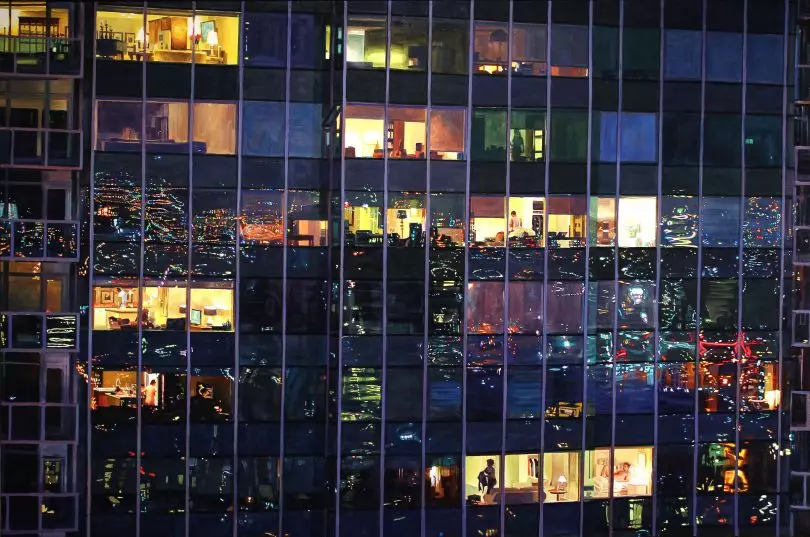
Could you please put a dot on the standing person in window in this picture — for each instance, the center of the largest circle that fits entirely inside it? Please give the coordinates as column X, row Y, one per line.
column 123, row 296
column 150, row 394
column 486, row 478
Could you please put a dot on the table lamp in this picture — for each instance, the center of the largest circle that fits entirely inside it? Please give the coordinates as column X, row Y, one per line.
column 213, row 42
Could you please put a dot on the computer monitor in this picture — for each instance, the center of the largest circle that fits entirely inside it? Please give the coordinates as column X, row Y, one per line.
column 195, row 317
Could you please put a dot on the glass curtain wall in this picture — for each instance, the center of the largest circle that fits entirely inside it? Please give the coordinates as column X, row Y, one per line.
column 514, row 269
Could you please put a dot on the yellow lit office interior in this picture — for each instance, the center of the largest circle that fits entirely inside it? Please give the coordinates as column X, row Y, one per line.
column 30, row 18
column 405, row 135
column 168, row 36
column 521, row 473
column 562, row 221
column 211, row 395
column 630, row 469
column 115, row 307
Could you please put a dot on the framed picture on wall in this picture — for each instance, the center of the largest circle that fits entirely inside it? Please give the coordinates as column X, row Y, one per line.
column 106, row 297
column 129, row 38
column 206, row 28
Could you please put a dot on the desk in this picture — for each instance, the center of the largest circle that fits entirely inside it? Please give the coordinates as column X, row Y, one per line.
column 130, row 314
column 108, row 397
column 184, row 56
column 123, row 312
column 294, row 240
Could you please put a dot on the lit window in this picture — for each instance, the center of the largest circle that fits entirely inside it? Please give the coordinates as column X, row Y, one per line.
column 637, row 222
column 171, row 37
column 566, row 221
column 163, row 307
column 366, row 42
column 629, row 470
column 404, row 137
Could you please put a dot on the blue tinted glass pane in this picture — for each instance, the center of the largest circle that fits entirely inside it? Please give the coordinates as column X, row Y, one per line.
column 639, row 137
column 682, row 55
column 263, row 129
column 524, row 393
column 765, row 59
column 721, row 222
column 305, row 41
column 606, row 125
column 265, row 39
column 723, row 57
column 305, row 130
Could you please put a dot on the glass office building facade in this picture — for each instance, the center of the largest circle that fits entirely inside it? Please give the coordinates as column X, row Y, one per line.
column 388, row 268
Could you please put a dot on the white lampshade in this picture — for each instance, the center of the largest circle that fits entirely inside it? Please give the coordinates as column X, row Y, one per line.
column 141, row 36
column 213, row 38
column 194, row 26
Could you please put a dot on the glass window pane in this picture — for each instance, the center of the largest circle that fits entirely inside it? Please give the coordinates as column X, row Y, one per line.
column 528, row 136
column 639, row 137
column 489, row 134
column 564, row 307
column 762, row 226
column 305, row 129
column 605, row 129
column 682, row 54
column 641, row 54
column 637, row 222
column 491, row 47
column 529, row 49
column 485, row 307
column 723, row 57
column 366, row 42
column 721, row 146
column 118, row 126
column 763, row 141
column 569, row 135
column 214, row 128
column 409, row 49
column 569, row 50
column 679, row 221
column 450, row 46
column 447, row 133
column 721, row 222
column 263, row 129
column 265, row 39
column 764, row 64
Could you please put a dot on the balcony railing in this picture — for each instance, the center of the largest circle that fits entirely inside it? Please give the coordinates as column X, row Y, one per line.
column 39, row 240
column 44, row 513
column 25, row 331
column 41, row 56
column 40, row 148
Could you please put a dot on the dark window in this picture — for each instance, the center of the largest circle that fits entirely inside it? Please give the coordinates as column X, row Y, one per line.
column 723, row 57
column 265, row 39
column 765, row 59
column 682, row 55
